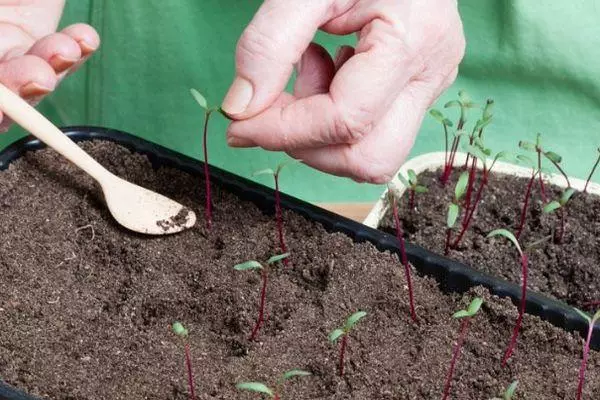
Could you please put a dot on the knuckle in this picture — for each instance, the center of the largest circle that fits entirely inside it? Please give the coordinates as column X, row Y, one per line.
column 352, row 126
column 254, row 44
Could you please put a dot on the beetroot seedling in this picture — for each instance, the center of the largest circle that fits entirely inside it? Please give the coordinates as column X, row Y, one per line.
column 275, row 392
column 586, row 349
column 446, row 123
column 560, row 206
column 182, row 332
column 509, row 392
column 403, row 256
column 342, row 333
column 587, row 182
column 201, row 100
column 465, row 317
column 278, row 212
column 534, row 173
column 524, row 273
column 412, row 185
column 263, row 268
column 454, row 208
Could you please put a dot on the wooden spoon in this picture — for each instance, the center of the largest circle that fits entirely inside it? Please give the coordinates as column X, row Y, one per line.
column 134, row 207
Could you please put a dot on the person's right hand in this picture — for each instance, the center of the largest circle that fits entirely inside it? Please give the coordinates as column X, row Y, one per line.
column 33, row 56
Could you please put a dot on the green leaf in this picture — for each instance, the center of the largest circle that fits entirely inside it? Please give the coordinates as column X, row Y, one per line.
column 461, row 314
column 510, row 391
column 527, row 145
column 353, row 320
column 482, row 123
column 476, row 152
column 596, row 317
column 412, row 177
column 293, row 373
column 464, row 97
column 449, row 124
column 255, row 387
column 554, row 157
column 460, row 133
column 266, row 171
column 179, row 329
column 584, row 315
column 248, row 266
column 566, row 196
column 471, row 310
column 199, row 98
column 487, row 110
column 286, row 164
column 503, row 155
column 452, row 215
column 403, row 180
column 277, row 258
column 421, row 189
column 453, row 103
column 551, row 207
column 507, row 234
column 461, row 185
column 336, row 334
column 538, row 140
column 526, row 160
column 437, row 115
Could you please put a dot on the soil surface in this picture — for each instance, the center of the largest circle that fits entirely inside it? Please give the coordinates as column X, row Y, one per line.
column 86, row 307
column 569, row 271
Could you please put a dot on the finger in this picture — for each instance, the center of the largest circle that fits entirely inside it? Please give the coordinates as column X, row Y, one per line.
column 86, row 36
column 272, row 43
column 58, row 49
column 15, row 41
column 343, row 54
column 315, row 72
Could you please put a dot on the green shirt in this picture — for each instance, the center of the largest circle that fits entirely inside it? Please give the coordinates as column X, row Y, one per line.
column 537, row 60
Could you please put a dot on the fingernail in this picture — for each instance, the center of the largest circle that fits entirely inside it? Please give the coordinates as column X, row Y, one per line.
column 86, row 48
column 239, row 96
column 234, row 141
column 33, row 89
column 60, row 63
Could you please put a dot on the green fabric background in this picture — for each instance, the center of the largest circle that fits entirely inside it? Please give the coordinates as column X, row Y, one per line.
column 538, row 60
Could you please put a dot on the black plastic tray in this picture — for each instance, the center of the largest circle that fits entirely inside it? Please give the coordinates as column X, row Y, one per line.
column 452, row 276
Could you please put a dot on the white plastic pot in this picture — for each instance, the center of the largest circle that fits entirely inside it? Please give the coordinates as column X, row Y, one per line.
column 436, row 160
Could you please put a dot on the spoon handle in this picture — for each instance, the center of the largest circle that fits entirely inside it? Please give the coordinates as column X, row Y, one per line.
column 33, row 121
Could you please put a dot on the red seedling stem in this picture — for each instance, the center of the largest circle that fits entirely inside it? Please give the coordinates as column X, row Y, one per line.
column 525, row 205
column 587, row 182
column 208, row 208
column 404, row 258
column 343, row 346
column 471, row 212
column 276, row 396
column 470, row 185
column 190, row 373
column 447, row 244
column 584, row 361
column 411, row 199
column 464, row 326
column 261, row 311
column 279, row 218
column 542, row 188
column 517, row 328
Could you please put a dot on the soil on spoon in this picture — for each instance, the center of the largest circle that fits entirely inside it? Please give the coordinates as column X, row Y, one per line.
column 569, row 271
column 86, row 307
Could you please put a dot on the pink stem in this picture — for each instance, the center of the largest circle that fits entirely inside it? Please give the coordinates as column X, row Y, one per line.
column 279, row 218
column 188, row 361
column 586, row 353
column 525, row 205
column 404, row 258
column 343, row 353
column 411, row 200
column 470, row 185
column 515, row 335
column 261, row 311
column 587, row 182
column 562, row 225
column 471, row 212
column 464, row 325
column 542, row 188
column 208, row 208
column 447, row 244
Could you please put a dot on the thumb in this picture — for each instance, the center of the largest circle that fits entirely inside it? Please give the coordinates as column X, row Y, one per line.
column 266, row 53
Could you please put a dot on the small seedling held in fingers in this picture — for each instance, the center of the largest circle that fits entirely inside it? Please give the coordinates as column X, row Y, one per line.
column 524, row 273
column 275, row 392
column 278, row 212
column 201, row 100
column 586, row 349
column 182, row 332
column 403, row 256
column 587, row 182
column 342, row 333
column 264, row 270
column 560, row 206
column 454, row 208
column 465, row 317
column 412, row 185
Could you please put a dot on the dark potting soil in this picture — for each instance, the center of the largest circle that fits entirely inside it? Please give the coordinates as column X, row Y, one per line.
column 569, row 271
column 86, row 307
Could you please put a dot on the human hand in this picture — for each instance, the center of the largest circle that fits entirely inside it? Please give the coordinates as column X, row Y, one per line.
column 356, row 115
column 34, row 58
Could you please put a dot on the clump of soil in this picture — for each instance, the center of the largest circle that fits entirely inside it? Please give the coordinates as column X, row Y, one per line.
column 569, row 271
column 86, row 306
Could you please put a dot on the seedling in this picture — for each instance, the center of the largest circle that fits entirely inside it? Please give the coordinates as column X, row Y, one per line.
column 342, row 333
column 201, row 100
column 182, row 332
column 263, row 268
column 587, row 182
column 403, row 257
column 278, row 213
column 275, row 392
column 412, row 185
column 586, row 349
column 454, row 208
column 465, row 317
column 446, row 123
column 510, row 391
column 524, row 266
column 560, row 206
column 534, row 173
